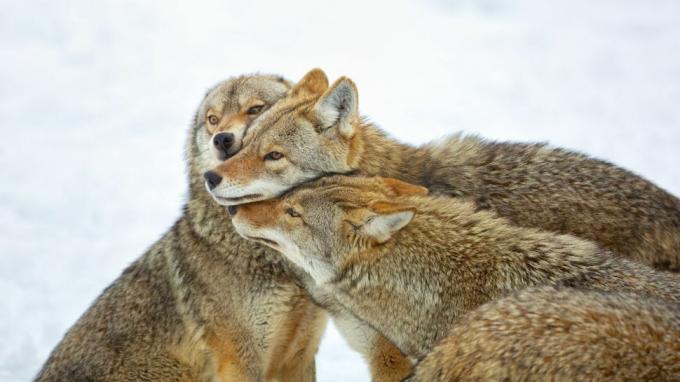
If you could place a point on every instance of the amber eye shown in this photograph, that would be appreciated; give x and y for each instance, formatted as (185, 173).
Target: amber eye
(274, 155)
(254, 109)
(292, 213)
(213, 119)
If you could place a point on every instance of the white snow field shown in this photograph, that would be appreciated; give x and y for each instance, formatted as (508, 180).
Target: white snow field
(96, 98)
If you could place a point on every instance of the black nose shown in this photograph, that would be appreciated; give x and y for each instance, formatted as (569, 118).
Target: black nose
(223, 141)
(212, 179)
(231, 210)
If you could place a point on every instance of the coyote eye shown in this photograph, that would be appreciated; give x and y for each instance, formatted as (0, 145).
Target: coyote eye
(292, 213)
(274, 155)
(213, 120)
(254, 109)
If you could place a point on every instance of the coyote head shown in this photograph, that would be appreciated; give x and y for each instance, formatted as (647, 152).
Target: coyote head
(225, 113)
(321, 224)
(306, 135)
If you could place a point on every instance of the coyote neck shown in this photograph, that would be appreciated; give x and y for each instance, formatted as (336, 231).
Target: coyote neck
(476, 246)
(448, 167)
(381, 155)
(450, 260)
(208, 219)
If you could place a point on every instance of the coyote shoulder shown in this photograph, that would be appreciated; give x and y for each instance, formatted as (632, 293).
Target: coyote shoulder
(542, 334)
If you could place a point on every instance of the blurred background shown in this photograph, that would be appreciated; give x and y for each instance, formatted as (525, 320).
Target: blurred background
(96, 99)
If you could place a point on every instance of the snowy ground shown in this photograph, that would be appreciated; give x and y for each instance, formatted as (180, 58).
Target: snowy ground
(95, 99)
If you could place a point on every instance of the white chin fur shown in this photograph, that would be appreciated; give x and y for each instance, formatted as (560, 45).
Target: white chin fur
(227, 193)
(243, 229)
(320, 271)
(231, 202)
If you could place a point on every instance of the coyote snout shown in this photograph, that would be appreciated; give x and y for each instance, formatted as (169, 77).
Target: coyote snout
(228, 193)
(227, 136)
(256, 222)
(223, 142)
(230, 190)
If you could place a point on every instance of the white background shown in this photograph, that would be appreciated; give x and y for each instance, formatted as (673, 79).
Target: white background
(96, 98)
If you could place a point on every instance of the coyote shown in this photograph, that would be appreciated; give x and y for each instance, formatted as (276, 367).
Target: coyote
(410, 265)
(548, 334)
(201, 304)
(386, 363)
(317, 130)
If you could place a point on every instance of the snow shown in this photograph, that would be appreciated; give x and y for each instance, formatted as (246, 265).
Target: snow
(96, 98)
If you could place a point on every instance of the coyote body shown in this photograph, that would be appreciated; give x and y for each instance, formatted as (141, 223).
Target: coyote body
(201, 304)
(317, 130)
(548, 334)
(411, 265)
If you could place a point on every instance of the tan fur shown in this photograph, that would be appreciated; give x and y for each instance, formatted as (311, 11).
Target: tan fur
(232, 109)
(201, 304)
(548, 334)
(411, 265)
(318, 130)
(387, 371)
(387, 362)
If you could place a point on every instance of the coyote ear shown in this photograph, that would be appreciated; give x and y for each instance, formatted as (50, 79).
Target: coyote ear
(400, 188)
(338, 107)
(387, 219)
(314, 83)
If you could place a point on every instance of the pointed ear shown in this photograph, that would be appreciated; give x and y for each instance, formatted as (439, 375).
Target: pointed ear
(400, 188)
(388, 218)
(338, 107)
(314, 83)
